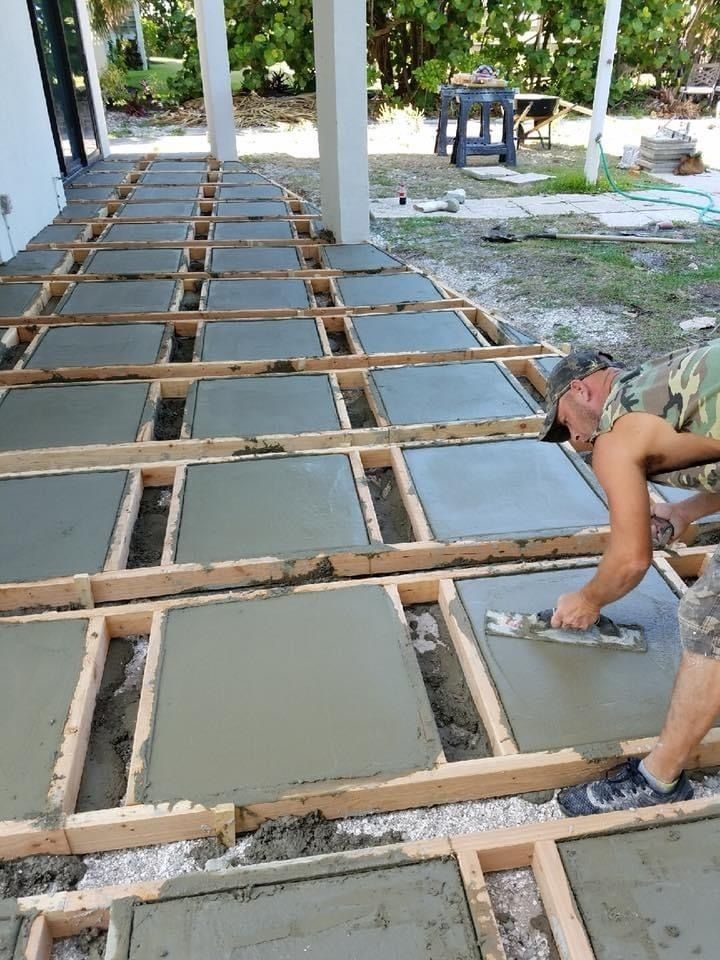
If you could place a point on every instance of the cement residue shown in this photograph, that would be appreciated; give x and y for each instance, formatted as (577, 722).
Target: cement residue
(32, 876)
(169, 418)
(338, 343)
(358, 409)
(88, 945)
(290, 837)
(392, 516)
(105, 774)
(524, 927)
(461, 731)
(182, 349)
(148, 536)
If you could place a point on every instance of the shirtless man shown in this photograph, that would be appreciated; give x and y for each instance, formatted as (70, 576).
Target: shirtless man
(661, 421)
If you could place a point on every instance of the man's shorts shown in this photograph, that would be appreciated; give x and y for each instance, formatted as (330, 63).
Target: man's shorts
(699, 612)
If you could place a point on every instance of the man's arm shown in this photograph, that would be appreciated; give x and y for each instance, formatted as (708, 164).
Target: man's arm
(682, 514)
(619, 464)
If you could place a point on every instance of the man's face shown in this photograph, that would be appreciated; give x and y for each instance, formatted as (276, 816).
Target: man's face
(576, 411)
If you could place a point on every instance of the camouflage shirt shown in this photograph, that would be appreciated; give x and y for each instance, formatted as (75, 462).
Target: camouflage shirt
(683, 388)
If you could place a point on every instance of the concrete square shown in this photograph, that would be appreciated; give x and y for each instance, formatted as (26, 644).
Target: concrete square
(261, 340)
(59, 524)
(503, 488)
(447, 393)
(158, 209)
(253, 230)
(648, 893)
(253, 406)
(278, 294)
(242, 179)
(252, 191)
(341, 656)
(173, 178)
(409, 332)
(101, 178)
(42, 666)
(60, 233)
(123, 262)
(391, 288)
(626, 220)
(82, 210)
(11, 923)
(118, 296)
(411, 911)
(357, 257)
(558, 695)
(251, 208)
(122, 232)
(16, 298)
(178, 166)
(152, 192)
(265, 508)
(527, 177)
(91, 193)
(546, 365)
(255, 259)
(72, 414)
(33, 261)
(113, 166)
(98, 345)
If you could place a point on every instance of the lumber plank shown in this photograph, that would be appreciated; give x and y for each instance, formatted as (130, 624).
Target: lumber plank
(146, 709)
(567, 928)
(481, 910)
(418, 521)
(39, 941)
(120, 544)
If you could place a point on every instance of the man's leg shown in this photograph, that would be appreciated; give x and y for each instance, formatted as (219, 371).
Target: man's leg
(694, 708)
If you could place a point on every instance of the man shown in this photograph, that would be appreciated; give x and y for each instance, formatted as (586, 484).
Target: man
(660, 421)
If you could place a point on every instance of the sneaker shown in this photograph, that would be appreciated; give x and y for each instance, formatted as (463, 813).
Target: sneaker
(623, 788)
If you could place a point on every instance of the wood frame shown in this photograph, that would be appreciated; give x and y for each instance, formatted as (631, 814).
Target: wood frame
(476, 855)
(115, 584)
(507, 772)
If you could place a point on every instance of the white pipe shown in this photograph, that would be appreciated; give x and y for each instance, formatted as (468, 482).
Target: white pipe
(603, 80)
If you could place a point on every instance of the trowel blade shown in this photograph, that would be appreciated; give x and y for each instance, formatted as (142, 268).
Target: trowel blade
(530, 626)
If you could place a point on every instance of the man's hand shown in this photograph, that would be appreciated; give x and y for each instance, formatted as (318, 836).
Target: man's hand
(573, 611)
(660, 513)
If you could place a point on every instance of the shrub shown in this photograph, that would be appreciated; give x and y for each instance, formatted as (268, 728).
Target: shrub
(113, 83)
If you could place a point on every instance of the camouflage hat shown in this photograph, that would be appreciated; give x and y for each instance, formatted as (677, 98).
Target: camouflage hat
(575, 366)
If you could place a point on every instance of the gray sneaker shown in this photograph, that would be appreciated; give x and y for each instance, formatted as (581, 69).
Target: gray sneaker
(624, 788)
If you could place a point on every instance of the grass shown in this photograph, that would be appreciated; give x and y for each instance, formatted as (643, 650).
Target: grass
(161, 70)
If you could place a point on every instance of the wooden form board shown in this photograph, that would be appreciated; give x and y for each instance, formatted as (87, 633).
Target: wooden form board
(477, 855)
(506, 772)
(186, 448)
(114, 583)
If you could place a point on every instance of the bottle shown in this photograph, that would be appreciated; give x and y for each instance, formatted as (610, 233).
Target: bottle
(402, 195)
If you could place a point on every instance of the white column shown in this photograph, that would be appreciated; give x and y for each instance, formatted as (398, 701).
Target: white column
(139, 34)
(93, 77)
(602, 86)
(215, 67)
(341, 72)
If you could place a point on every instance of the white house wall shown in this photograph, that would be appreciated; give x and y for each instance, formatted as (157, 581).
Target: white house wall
(29, 172)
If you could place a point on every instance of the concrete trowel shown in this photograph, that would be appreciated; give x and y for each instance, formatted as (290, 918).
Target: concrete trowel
(536, 626)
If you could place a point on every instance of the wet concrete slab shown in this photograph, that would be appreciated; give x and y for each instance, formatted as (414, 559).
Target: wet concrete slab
(122, 232)
(124, 262)
(59, 525)
(100, 178)
(558, 695)
(283, 294)
(112, 166)
(251, 191)
(72, 414)
(393, 288)
(16, 298)
(178, 166)
(252, 208)
(10, 924)
(424, 331)
(119, 296)
(158, 209)
(358, 257)
(504, 488)
(42, 666)
(173, 178)
(447, 393)
(226, 259)
(547, 364)
(646, 894)
(98, 345)
(253, 230)
(261, 340)
(242, 179)
(408, 911)
(82, 211)
(153, 192)
(253, 406)
(106, 192)
(348, 700)
(269, 507)
(60, 233)
(33, 261)
(234, 166)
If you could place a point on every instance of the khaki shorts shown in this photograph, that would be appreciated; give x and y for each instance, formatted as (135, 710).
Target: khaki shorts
(699, 612)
